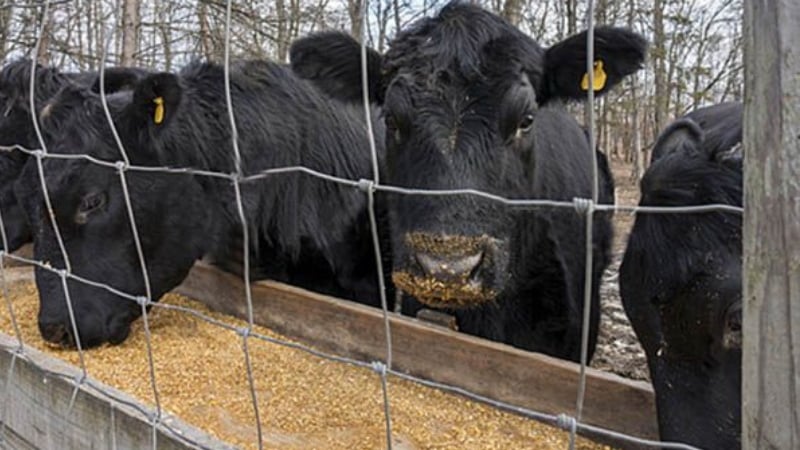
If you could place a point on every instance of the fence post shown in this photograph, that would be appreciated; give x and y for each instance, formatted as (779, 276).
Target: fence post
(771, 359)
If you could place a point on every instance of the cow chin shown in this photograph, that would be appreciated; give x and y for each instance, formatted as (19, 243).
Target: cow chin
(439, 294)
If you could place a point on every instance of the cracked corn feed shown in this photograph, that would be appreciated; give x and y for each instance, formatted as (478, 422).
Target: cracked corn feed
(305, 402)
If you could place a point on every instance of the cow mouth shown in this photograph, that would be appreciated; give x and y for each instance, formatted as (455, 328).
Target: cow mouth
(439, 294)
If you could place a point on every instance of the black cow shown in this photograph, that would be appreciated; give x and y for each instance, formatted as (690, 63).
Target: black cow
(16, 126)
(680, 278)
(305, 231)
(471, 102)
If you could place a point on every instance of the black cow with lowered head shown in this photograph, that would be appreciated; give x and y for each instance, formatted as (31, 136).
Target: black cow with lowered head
(681, 282)
(16, 126)
(469, 101)
(305, 231)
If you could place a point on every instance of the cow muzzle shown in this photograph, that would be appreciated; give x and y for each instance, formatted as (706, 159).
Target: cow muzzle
(447, 271)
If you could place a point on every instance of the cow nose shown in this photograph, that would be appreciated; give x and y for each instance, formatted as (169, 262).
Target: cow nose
(56, 333)
(450, 269)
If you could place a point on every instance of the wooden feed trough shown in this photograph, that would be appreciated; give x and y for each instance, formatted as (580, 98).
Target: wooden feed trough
(493, 370)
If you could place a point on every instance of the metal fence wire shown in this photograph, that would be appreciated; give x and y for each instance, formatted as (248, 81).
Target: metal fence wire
(570, 421)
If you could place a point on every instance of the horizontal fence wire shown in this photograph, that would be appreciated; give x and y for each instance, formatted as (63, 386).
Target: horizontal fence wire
(364, 184)
(156, 416)
(562, 420)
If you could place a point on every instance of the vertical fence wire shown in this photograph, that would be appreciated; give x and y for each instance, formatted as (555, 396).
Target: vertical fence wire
(381, 369)
(245, 230)
(45, 193)
(589, 217)
(3, 236)
(122, 167)
(21, 344)
(573, 424)
(14, 325)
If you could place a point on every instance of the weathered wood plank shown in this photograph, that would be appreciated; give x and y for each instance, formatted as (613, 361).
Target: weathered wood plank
(771, 353)
(491, 369)
(37, 413)
(26, 251)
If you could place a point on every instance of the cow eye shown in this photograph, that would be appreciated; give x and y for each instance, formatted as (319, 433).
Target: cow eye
(526, 123)
(392, 129)
(89, 203)
(732, 333)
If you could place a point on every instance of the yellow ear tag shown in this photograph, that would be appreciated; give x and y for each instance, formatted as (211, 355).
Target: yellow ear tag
(158, 117)
(599, 77)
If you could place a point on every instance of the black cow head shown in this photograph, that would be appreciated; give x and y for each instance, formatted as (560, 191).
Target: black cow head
(174, 223)
(469, 102)
(681, 284)
(17, 128)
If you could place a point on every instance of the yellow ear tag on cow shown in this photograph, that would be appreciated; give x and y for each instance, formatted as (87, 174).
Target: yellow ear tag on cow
(599, 77)
(158, 117)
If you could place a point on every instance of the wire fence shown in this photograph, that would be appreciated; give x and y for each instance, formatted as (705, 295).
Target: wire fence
(382, 369)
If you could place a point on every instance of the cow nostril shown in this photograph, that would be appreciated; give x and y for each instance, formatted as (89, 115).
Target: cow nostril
(450, 269)
(57, 333)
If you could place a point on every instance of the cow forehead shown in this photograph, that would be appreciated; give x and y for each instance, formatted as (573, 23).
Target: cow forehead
(471, 44)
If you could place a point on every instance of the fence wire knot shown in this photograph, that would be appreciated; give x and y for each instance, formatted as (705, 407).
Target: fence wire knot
(243, 332)
(582, 205)
(365, 185)
(79, 379)
(62, 273)
(379, 368)
(38, 153)
(567, 422)
(154, 418)
(121, 166)
(143, 301)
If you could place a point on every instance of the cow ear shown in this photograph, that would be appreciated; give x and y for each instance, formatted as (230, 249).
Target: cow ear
(618, 52)
(332, 61)
(683, 135)
(155, 100)
(117, 79)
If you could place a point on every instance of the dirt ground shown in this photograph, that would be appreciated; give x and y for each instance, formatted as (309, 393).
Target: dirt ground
(618, 350)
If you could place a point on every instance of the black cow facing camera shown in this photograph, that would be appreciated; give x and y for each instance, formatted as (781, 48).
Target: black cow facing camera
(304, 231)
(681, 282)
(469, 101)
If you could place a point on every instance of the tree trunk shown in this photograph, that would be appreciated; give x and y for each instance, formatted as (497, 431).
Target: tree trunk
(512, 11)
(572, 17)
(283, 26)
(205, 31)
(43, 55)
(659, 57)
(354, 11)
(771, 298)
(164, 12)
(130, 32)
(636, 138)
(6, 15)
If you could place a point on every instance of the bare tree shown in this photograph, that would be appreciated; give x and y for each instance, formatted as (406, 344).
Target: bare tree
(659, 57)
(43, 55)
(512, 11)
(354, 10)
(6, 15)
(130, 32)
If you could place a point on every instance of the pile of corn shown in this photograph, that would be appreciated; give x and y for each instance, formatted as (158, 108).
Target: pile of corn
(304, 401)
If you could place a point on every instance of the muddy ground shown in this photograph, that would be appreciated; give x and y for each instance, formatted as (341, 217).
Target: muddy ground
(618, 350)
